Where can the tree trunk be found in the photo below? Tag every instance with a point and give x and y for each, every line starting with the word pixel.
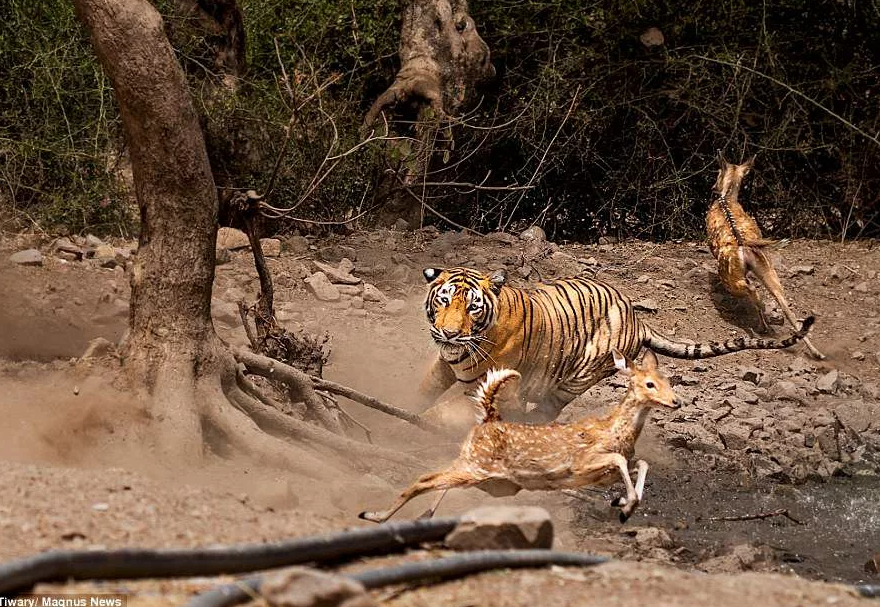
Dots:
pixel 443 61
pixel 187 377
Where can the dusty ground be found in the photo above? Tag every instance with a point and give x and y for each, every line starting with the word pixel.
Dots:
pixel 763 430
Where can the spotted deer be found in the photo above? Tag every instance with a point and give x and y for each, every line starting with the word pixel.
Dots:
pixel 736 242
pixel 502 458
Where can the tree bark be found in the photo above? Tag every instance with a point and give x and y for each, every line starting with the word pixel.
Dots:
pixel 443 61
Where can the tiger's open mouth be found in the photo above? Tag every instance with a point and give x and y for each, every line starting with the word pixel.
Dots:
pixel 451 352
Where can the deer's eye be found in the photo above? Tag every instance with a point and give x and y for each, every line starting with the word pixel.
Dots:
pixel 650 385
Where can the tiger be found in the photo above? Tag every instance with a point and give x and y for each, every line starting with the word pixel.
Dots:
pixel 558 335
pixel 736 242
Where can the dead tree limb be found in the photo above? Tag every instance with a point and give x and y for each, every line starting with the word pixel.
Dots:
pixel 373 403
pixel 760 516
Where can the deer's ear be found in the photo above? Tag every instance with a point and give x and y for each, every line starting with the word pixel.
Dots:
pixel 722 162
pixel 431 274
pixel 751 161
pixel 649 361
pixel 620 362
pixel 497 280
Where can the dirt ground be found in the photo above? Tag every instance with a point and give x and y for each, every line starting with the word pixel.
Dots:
pixel 762 431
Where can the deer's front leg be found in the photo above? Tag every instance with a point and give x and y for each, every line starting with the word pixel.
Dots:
pixel 592 468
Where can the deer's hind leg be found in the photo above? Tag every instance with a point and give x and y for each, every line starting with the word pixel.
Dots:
pixel 591 469
pixel 761 267
pixel 435 481
pixel 732 269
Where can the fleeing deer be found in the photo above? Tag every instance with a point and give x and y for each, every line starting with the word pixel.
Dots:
pixel 503 458
pixel 736 242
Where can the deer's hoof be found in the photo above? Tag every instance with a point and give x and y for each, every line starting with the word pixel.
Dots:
pixel 623 517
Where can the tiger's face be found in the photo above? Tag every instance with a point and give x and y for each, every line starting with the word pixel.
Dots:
pixel 461 306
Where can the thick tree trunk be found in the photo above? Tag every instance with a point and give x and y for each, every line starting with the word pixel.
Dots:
pixel 443 62
pixel 188 378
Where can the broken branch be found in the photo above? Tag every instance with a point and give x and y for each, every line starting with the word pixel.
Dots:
pixel 760 516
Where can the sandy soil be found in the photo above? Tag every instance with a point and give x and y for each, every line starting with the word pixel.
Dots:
pixel 79 478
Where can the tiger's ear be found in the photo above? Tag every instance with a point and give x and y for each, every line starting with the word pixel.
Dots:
pixel 621 362
pixel 431 274
pixel 497 280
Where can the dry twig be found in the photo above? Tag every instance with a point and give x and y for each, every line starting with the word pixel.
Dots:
pixel 760 516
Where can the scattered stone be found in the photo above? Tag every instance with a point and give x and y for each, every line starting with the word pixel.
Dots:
pixel 98 348
pixel 857 355
pixel 372 293
pixel 336 253
pixel 322 288
pixel 829 382
pixel 271 247
pixel 647 305
pixel 232 239
pixel 751 374
pixel 746 396
pixel 694 437
pixel 735 435
pixel 303 587
pixel 502 528
pixel 395 307
pixel 28 257
pixel 502 237
pixel 296 244
pixel 401 225
pixel 524 271
pixel 797 270
pixel 534 234
pixel 785 390
pixel 65 249
pixel 357 302
pixel 862 287
pixel 827 439
pixel 653 537
pixel 689 380
pixel 357 312
pixel 763 467
pixel 823 417
pixel 340 274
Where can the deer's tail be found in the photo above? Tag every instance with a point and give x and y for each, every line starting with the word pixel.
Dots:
pixel 499 385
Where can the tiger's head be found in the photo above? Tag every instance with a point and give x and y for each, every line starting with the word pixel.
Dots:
pixel 461 306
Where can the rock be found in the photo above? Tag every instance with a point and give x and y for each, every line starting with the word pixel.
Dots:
pixel 827 439
pixel 341 274
pixel 797 270
pixel 751 374
pixel 349 289
pixel 303 587
pixel 862 287
pixel 524 271
pixel 357 302
pixel 829 382
pixel 105 255
pixel 785 390
pixel 762 466
pixel 501 528
pixel 395 307
pixel 873 564
pixel 823 417
pixel 652 37
pixel 735 435
pixel 322 288
pixel 371 293
pixel 502 237
pixel 296 244
pixel 857 355
pixel 335 253
pixel 28 257
pixel 98 348
pixel 689 380
pixel 271 247
pixel 67 250
pixel 653 537
pixel 221 256
pixel 694 437
pixel 93 241
pixel 534 234
pixel 232 239
pixel 647 305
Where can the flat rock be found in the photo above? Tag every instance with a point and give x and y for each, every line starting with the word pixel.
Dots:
pixel 232 239
pixel 322 288
pixel 350 289
pixel 647 305
pixel 502 237
pixel 829 382
pixel 303 587
pixel 28 257
pixel 694 437
pixel 65 246
pixel 735 435
pixel 501 528
pixel 798 270
pixel 752 375
pixel 341 274
pixel 297 244
pixel 271 247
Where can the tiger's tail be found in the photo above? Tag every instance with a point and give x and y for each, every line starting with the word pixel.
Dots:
pixel 498 386
pixel 679 349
